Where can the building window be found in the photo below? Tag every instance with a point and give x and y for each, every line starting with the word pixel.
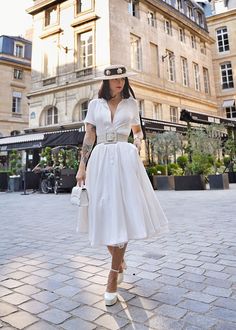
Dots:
pixel 179 5
pixel 84 109
pixel 193 42
pixel 206 80
pixel 18 74
pixel 203 47
pixel 85 49
pixel 196 76
pixel 51 116
pixel 222 39
pixel 16 102
pixel 167 1
pixel 190 12
pixel 151 18
pixel 19 50
pixel 141 108
pixel 83 5
pixel 171 65
pixel 173 114
pixel 157 111
pixel 135 48
pixel 231 112
pixel 185 76
pixel 51 16
pixel 154 59
pixel 227 76
pixel 133 9
pixel 167 27
pixel 199 18
pixel 182 35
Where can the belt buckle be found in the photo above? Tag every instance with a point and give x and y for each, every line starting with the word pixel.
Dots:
pixel 111 137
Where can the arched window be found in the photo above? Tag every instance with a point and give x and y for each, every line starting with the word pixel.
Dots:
pixel 84 109
pixel 14 133
pixel 80 110
pixel 51 116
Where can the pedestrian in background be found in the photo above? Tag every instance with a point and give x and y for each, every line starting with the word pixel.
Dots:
pixel 122 203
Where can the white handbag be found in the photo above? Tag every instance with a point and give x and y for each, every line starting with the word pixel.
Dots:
pixel 79 197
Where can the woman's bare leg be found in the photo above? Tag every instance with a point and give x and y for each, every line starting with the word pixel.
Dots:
pixel 121 267
pixel 117 258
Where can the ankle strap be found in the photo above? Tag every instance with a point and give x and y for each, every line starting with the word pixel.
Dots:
pixel 114 270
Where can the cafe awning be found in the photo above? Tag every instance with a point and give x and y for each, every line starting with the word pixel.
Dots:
pixel 63 138
pixel 21 142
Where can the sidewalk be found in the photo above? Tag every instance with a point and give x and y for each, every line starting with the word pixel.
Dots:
pixel 50 277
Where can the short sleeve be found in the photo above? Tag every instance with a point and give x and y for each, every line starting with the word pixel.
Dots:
pixel 90 116
pixel 135 113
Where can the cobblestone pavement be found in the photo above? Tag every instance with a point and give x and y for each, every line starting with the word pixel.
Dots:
pixel 50 277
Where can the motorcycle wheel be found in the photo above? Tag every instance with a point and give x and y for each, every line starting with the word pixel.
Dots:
pixel 44 186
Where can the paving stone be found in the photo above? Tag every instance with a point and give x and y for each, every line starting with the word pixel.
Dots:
pixel 11 284
pixel 202 321
pixel 203 297
pixel 6 309
pixel 167 298
pixel 87 298
pixel 54 315
pixel 193 263
pixel 27 289
pixel 99 289
pixel 193 277
pixel 15 298
pixel 172 290
pixel 78 283
pixel 212 266
pixel 225 326
pixel 67 291
pixel 194 270
pixel 216 291
pixel 227 303
pixel 194 306
pixel 146 304
pixel 87 313
pixel 98 279
pixel 80 274
pixel 18 275
pixel 20 319
pixel 171 311
pixel 218 282
pixel 41 325
pixel 223 314
pixel 111 322
pixel 45 296
pixel 65 304
pixel 161 322
pixel 77 324
pixel 218 275
pixel 115 309
pixel 143 291
pixel 33 306
pixel 4 291
pixel 50 285
pixel 32 279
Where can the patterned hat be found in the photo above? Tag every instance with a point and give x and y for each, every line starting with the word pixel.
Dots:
pixel 115 72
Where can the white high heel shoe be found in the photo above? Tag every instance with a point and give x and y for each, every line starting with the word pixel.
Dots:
pixel 120 277
pixel 111 298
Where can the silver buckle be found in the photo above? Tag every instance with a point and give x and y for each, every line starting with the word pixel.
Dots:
pixel 111 137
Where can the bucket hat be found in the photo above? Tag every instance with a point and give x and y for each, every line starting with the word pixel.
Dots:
pixel 115 71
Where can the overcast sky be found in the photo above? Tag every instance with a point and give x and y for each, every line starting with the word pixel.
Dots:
pixel 13 18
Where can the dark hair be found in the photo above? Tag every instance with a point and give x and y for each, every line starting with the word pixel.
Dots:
pixel 104 91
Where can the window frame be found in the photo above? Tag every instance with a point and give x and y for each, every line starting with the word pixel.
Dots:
pixel 19 45
pixel 173 116
pixel 80 12
pixel 229 82
pixel 223 39
pixel 230 110
pixel 171 66
pixel 133 8
pixel 185 71
pixel 47 17
pixel 54 116
pixel 17 74
pixel 136 54
pixel 168 27
pixel 206 81
pixel 83 111
pixel 84 64
pixel 196 74
pixel 16 102
pixel 157 111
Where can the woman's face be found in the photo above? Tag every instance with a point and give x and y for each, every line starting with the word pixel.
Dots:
pixel 116 85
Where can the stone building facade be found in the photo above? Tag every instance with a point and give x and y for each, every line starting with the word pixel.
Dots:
pixel 222 27
pixel 166 42
pixel 15 83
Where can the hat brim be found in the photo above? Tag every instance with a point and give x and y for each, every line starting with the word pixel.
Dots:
pixel 117 76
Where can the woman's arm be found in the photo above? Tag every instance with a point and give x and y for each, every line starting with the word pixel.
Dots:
pixel 138 136
pixel 89 139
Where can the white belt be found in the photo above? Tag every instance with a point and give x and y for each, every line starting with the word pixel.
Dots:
pixel 111 137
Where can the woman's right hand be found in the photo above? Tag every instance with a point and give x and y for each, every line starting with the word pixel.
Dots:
pixel 80 177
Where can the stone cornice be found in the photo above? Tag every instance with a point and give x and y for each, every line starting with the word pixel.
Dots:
pixel 221 16
pixel 42 5
pixel 182 19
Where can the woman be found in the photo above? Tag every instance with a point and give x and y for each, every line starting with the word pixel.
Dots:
pixel 122 203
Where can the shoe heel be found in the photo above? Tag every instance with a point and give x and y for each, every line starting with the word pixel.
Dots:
pixel 110 298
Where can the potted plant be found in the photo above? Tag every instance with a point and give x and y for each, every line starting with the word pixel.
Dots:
pixel 230 160
pixel 14 182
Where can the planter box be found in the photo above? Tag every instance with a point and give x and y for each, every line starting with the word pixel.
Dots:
pixel 219 181
pixel 232 177
pixel 3 181
pixel 14 183
pixel 190 182
pixel 163 182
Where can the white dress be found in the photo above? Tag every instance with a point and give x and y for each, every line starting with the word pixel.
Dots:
pixel 122 203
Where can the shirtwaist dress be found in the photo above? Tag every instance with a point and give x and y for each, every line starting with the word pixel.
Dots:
pixel 122 203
